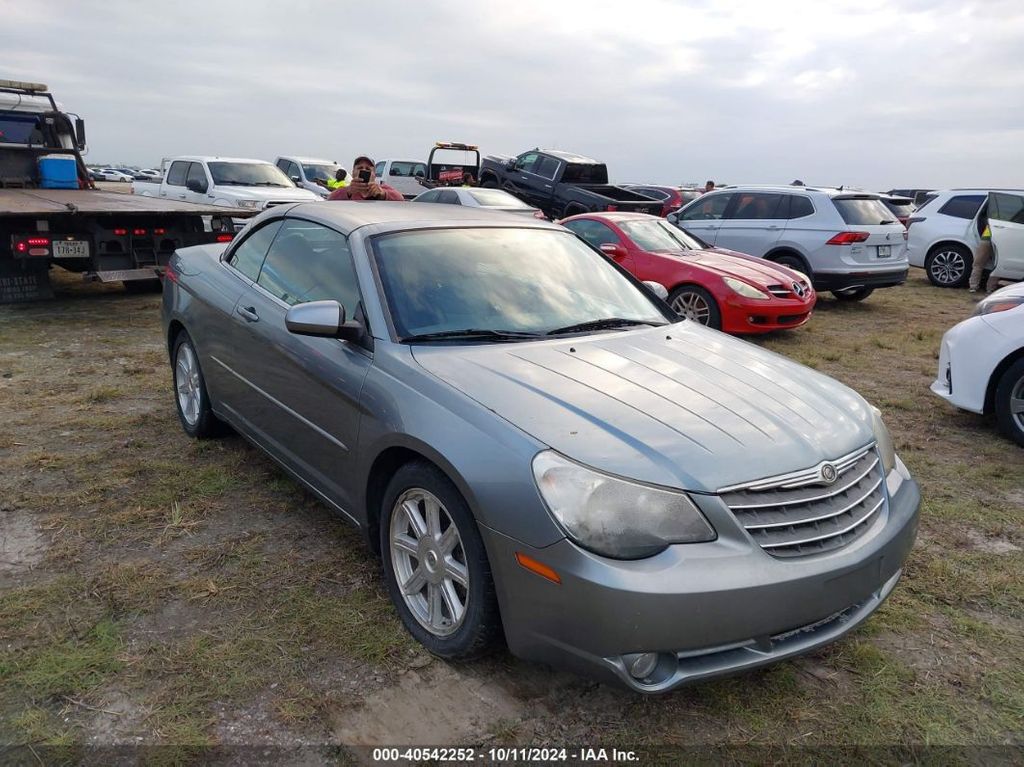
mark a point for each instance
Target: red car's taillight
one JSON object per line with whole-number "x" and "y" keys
{"x": 848, "y": 238}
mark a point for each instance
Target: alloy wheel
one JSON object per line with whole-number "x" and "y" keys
{"x": 693, "y": 307}
{"x": 188, "y": 384}
{"x": 429, "y": 561}
{"x": 948, "y": 267}
{"x": 1017, "y": 403}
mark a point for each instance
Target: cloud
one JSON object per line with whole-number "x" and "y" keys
{"x": 879, "y": 93}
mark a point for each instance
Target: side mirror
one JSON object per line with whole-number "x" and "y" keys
{"x": 322, "y": 318}
{"x": 195, "y": 185}
{"x": 296, "y": 179}
{"x": 80, "y": 132}
{"x": 510, "y": 165}
{"x": 614, "y": 250}
{"x": 657, "y": 289}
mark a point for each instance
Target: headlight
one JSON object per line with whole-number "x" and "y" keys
{"x": 745, "y": 290}
{"x": 884, "y": 440}
{"x": 993, "y": 305}
{"x": 249, "y": 203}
{"x": 614, "y": 517}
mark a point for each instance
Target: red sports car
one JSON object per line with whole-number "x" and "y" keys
{"x": 719, "y": 288}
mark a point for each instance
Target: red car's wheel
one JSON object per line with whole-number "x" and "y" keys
{"x": 695, "y": 303}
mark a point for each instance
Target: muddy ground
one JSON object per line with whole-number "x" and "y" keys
{"x": 158, "y": 590}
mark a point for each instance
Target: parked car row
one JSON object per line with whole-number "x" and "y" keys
{"x": 536, "y": 444}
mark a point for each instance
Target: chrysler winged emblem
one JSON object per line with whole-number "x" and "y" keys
{"x": 828, "y": 473}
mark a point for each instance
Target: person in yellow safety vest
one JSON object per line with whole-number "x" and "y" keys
{"x": 339, "y": 181}
{"x": 983, "y": 257}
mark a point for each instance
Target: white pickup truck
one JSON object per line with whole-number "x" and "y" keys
{"x": 228, "y": 181}
{"x": 306, "y": 172}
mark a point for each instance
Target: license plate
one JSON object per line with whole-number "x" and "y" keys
{"x": 70, "y": 249}
{"x": 884, "y": 251}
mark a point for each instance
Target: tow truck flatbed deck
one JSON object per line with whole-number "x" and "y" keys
{"x": 28, "y": 202}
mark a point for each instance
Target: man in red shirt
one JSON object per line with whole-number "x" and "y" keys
{"x": 368, "y": 189}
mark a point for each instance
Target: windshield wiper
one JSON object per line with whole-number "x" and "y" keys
{"x": 602, "y": 324}
{"x": 472, "y": 334}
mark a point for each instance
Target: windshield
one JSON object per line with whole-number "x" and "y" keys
{"x": 655, "y": 234}
{"x": 496, "y": 198}
{"x": 319, "y": 172}
{"x": 248, "y": 174}
{"x": 863, "y": 211}
{"x": 899, "y": 207}
{"x": 512, "y": 280}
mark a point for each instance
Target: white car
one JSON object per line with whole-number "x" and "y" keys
{"x": 846, "y": 241}
{"x": 944, "y": 234}
{"x": 476, "y": 197}
{"x": 981, "y": 361}
{"x": 109, "y": 174}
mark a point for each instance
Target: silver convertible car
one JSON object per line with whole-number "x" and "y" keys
{"x": 537, "y": 446}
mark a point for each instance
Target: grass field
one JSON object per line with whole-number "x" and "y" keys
{"x": 154, "y": 589}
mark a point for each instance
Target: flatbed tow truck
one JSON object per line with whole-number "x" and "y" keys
{"x": 51, "y": 213}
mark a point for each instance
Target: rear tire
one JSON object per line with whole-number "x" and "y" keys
{"x": 856, "y": 294}
{"x": 695, "y": 303}
{"x": 794, "y": 262}
{"x": 435, "y": 565}
{"x": 949, "y": 266}
{"x": 1009, "y": 402}
{"x": 190, "y": 396}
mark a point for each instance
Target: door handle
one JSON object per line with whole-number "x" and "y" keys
{"x": 181, "y": 197}
{"x": 997, "y": 226}
{"x": 249, "y": 312}
{"x": 770, "y": 228}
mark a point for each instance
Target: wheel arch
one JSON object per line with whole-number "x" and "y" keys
{"x": 387, "y": 461}
{"x": 993, "y": 381}
{"x": 174, "y": 329}
{"x": 784, "y": 250}
{"x": 945, "y": 243}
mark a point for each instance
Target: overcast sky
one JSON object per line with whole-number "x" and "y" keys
{"x": 913, "y": 93}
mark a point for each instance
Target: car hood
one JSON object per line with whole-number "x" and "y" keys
{"x": 680, "y": 406}
{"x": 267, "y": 193}
{"x": 756, "y": 271}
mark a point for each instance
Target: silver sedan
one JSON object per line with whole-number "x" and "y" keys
{"x": 479, "y": 197}
{"x": 540, "y": 450}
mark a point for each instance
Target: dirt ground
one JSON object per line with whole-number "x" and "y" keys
{"x": 158, "y": 590}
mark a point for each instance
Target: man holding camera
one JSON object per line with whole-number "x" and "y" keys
{"x": 364, "y": 185}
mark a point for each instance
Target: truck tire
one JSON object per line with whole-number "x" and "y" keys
{"x": 135, "y": 287}
{"x": 489, "y": 183}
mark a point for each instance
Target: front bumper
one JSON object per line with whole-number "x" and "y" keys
{"x": 708, "y": 610}
{"x": 749, "y": 315}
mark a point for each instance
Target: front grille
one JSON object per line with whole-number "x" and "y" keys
{"x": 802, "y": 513}
{"x": 781, "y": 291}
{"x": 789, "y": 319}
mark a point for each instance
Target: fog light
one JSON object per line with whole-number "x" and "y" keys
{"x": 642, "y": 665}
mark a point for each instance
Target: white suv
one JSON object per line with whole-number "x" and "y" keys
{"x": 846, "y": 241}
{"x": 944, "y": 234}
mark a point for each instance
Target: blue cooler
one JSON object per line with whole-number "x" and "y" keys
{"x": 58, "y": 171}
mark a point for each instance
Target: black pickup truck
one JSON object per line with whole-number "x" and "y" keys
{"x": 561, "y": 184}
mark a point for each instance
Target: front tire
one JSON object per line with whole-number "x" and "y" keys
{"x": 435, "y": 566}
{"x": 949, "y": 266}
{"x": 190, "y": 396}
{"x": 695, "y": 303}
{"x": 855, "y": 294}
{"x": 1009, "y": 402}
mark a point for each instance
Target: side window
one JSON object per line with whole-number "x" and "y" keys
{"x": 1006, "y": 207}
{"x": 248, "y": 256}
{"x": 378, "y": 169}
{"x": 527, "y": 161}
{"x": 800, "y": 207}
{"x": 430, "y": 196}
{"x": 283, "y": 165}
{"x": 710, "y": 206}
{"x": 176, "y": 174}
{"x": 448, "y": 197}
{"x": 291, "y": 170}
{"x": 546, "y": 166}
{"x": 197, "y": 174}
{"x": 309, "y": 262}
{"x": 963, "y": 205}
{"x": 594, "y": 232}
{"x": 419, "y": 170}
{"x": 756, "y": 205}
